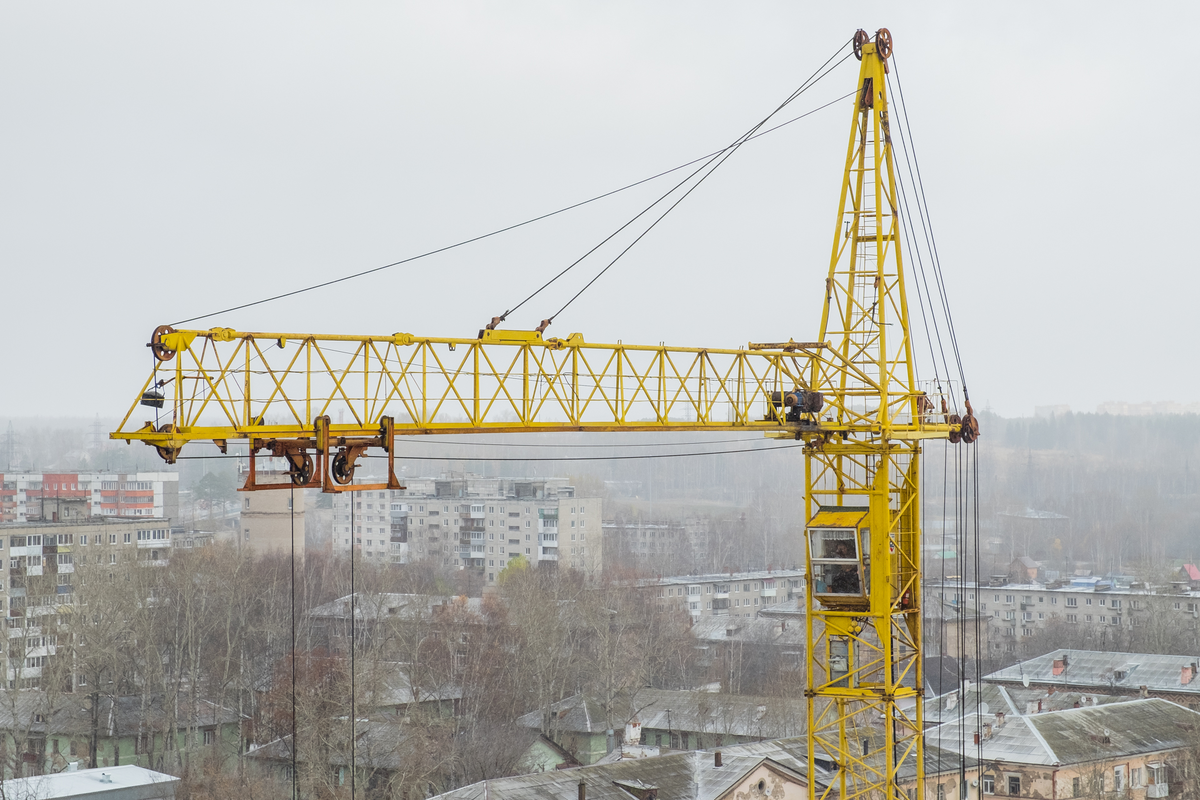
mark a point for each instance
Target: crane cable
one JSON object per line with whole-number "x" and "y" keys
{"x": 506, "y": 228}
{"x": 295, "y": 744}
{"x": 931, "y": 240}
{"x": 710, "y": 164}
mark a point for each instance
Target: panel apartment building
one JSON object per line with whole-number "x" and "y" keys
{"x": 729, "y": 594}
{"x": 1017, "y": 610}
{"x": 41, "y": 592}
{"x": 53, "y": 496}
{"x": 471, "y": 522}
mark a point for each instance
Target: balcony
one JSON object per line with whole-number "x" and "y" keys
{"x": 548, "y": 539}
{"x": 1157, "y": 790}
{"x": 768, "y": 592}
{"x": 548, "y": 554}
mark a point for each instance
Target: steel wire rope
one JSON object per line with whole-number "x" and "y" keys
{"x": 978, "y": 656}
{"x": 961, "y": 557}
{"x": 914, "y": 248}
{"x": 923, "y": 202}
{"x": 295, "y": 743}
{"x": 909, "y": 241}
{"x": 711, "y": 162}
{"x": 507, "y": 228}
{"x": 353, "y": 648}
{"x": 941, "y": 609}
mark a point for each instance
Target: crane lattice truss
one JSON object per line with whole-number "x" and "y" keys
{"x": 851, "y": 396}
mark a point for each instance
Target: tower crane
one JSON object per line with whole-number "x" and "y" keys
{"x": 850, "y": 395}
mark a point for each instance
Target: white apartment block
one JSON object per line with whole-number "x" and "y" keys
{"x": 729, "y": 594}
{"x": 65, "y": 496}
{"x": 472, "y": 522}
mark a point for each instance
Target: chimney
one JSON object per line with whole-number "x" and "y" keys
{"x": 1144, "y": 690}
{"x": 1060, "y": 665}
{"x": 999, "y": 719}
{"x": 987, "y": 731}
{"x": 976, "y": 737}
{"x": 582, "y": 790}
{"x": 610, "y": 741}
{"x": 717, "y": 759}
{"x": 1186, "y": 674}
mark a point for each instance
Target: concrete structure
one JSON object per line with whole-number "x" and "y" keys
{"x": 736, "y": 594}
{"x": 43, "y": 561}
{"x": 54, "y": 496}
{"x": 267, "y": 522}
{"x": 470, "y": 522}
{"x": 107, "y": 783}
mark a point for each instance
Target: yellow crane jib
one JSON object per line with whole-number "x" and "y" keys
{"x": 298, "y": 394}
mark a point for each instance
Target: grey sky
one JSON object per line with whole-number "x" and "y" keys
{"x": 162, "y": 160}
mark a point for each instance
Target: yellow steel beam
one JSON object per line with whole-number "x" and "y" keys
{"x": 230, "y": 385}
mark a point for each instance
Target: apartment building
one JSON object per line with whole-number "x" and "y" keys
{"x": 53, "y": 496}
{"x": 729, "y": 594}
{"x": 471, "y": 522}
{"x": 268, "y": 522}
{"x": 1015, "y": 611}
{"x": 44, "y": 559}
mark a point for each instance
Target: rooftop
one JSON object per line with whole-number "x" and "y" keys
{"x": 1075, "y": 735}
{"x": 667, "y": 709}
{"x": 719, "y": 577}
{"x": 1102, "y": 671}
{"x": 126, "y": 782}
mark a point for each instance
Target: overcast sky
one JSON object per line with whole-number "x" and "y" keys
{"x": 163, "y": 160}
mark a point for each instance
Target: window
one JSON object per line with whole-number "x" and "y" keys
{"x": 210, "y": 736}
{"x": 1072, "y": 602}
{"x": 1087, "y": 601}
{"x": 941, "y": 792}
{"x": 1014, "y": 785}
{"x": 989, "y": 784}
{"x": 1076, "y": 787}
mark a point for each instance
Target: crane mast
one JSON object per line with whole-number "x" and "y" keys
{"x": 851, "y": 396}
{"x": 862, "y": 492}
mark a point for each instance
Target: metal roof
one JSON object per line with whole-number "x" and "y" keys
{"x": 1104, "y": 671}
{"x": 1075, "y": 735}
{"x": 666, "y": 709}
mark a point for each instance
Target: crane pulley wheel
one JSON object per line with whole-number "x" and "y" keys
{"x": 342, "y": 469}
{"x": 883, "y": 43}
{"x": 861, "y": 37}
{"x": 302, "y": 468}
{"x": 161, "y": 351}
{"x": 167, "y": 454}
